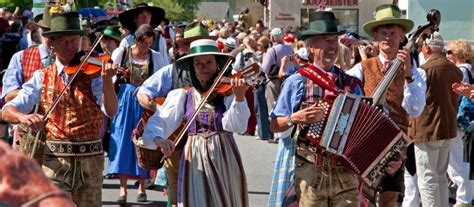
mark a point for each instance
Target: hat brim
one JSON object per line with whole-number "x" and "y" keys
{"x": 62, "y": 33}
{"x": 406, "y": 24}
{"x": 185, "y": 63}
{"x": 41, "y": 24}
{"x": 311, "y": 33}
{"x": 126, "y": 18}
{"x": 113, "y": 37}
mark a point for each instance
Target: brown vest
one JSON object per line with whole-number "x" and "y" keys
{"x": 372, "y": 71}
{"x": 77, "y": 117}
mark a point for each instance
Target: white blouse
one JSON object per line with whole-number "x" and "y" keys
{"x": 170, "y": 115}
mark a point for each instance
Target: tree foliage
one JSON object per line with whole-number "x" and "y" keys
{"x": 175, "y": 9}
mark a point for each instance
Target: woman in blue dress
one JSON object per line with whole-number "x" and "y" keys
{"x": 139, "y": 62}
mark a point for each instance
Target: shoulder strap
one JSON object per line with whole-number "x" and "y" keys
{"x": 319, "y": 78}
{"x": 242, "y": 59}
{"x": 150, "y": 64}
{"x": 125, "y": 60}
{"x": 469, "y": 75}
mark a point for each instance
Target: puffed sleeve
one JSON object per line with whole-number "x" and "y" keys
{"x": 166, "y": 119}
{"x": 237, "y": 115}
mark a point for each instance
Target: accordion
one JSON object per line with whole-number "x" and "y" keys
{"x": 363, "y": 137}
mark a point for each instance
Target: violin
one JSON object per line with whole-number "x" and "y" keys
{"x": 91, "y": 66}
{"x": 250, "y": 74}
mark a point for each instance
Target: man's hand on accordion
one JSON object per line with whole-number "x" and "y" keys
{"x": 308, "y": 115}
{"x": 394, "y": 165}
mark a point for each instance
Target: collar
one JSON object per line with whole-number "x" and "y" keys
{"x": 321, "y": 68}
{"x": 44, "y": 52}
{"x": 383, "y": 59}
{"x": 59, "y": 67}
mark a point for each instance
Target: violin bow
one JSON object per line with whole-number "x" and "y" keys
{"x": 61, "y": 94}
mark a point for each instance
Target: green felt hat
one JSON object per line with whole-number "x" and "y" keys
{"x": 196, "y": 31}
{"x": 113, "y": 32}
{"x": 321, "y": 23}
{"x": 388, "y": 14}
{"x": 67, "y": 23}
{"x": 199, "y": 48}
{"x": 44, "y": 21}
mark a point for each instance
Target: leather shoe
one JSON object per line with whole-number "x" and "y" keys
{"x": 122, "y": 199}
{"x": 141, "y": 197}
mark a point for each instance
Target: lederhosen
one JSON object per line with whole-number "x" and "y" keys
{"x": 315, "y": 167}
{"x": 372, "y": 71}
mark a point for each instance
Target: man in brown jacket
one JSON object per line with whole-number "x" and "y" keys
{"x": 433, "y": 129}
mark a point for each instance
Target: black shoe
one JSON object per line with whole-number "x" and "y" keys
{"x": 122, "y": 199}
{"x": 273, "y": 141}
{"x": 149, "y": 184}
{"x": 141, "y": 197}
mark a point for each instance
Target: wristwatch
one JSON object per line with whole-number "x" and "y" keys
{"x": 289, "y": 122}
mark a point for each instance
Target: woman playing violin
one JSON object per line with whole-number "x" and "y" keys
{"x": 138, "y": 62}
{"x": 211, "y": 170}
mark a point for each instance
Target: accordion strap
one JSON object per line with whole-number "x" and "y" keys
{"x": 319, "y": 77}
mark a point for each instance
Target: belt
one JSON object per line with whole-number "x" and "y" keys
{"x": 73, "y": 149}
{"x": 315, "y": 156}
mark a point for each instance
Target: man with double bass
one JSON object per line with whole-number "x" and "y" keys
{"x": 73, "y": 156}
{"x": 406, "y": 94}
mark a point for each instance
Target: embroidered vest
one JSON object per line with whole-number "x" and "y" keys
{"x": 30, "y": 62}
{"x": 372, "y": 71}
{"x": 77, "y": 116}
{"x": 209, "y": 119}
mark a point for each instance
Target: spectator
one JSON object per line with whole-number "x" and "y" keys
{"x": 459, "y": 52}
{"x": 246, "y": 18}
{"x": 292, "y": 63}
{"x": 271, "y": 65}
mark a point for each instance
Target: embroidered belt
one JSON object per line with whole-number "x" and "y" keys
{"x": 73, "y": 149}
{"x": 313, "y": 155}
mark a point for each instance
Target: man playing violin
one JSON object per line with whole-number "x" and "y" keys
{"x": 406, "y": 94}
{"x": 73, "y": 155}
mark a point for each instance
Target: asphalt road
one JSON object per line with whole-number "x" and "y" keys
{"x": 258, "y": 158}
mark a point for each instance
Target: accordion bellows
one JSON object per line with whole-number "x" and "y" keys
{"x": 363, "y": 136}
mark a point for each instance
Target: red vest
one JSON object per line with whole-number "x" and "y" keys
{"x": 77, "y": 117}
{"x": 30, "y": 62}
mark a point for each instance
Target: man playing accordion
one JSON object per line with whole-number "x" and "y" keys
{"x": 319, "y": 179}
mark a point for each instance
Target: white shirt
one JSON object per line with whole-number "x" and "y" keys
{"x": 170, "y": 115}
{"x": 414, "y": 93}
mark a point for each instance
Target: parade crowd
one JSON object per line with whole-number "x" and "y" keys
{"x": 78, "y": 90}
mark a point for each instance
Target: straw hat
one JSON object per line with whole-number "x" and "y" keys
{"x": 388, "y": 14}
